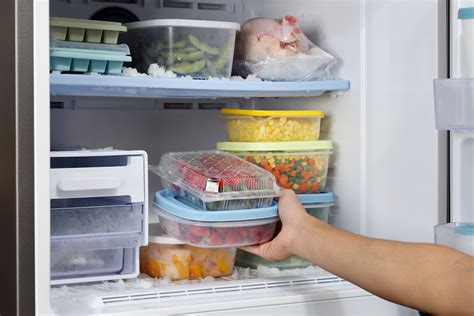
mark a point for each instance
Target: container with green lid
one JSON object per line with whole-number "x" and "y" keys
{"x": 91, "y": 31}
{"x": 300, "y": 166}
{"x": 272, "y": 126}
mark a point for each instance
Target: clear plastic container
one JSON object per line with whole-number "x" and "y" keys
{"x": 214, "y": 229}
{"x": 459, "y": 236}
{"x": 454, "y": 99}
{"x": 87, "y": 57}
{"x": 318, "y": 205}
{"x": 168, "y": 257}
{"x": 300, "y": 166}
{"x": 272, "y": 126}
{"x": 95, "y": 239}
{"x": 214, "y": 180}
{"x": 200, "y": 49}
{"x": 77, "y": 30}
{"x": 466, "y": 15}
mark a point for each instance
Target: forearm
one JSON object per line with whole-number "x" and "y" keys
{"x": 423, "y": 276}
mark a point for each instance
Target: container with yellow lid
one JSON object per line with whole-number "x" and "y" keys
{"x": 272, "y": 126}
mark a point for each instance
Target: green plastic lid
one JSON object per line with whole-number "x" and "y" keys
{"x": 466, "y": 13}
{"x": 275, "y": 146}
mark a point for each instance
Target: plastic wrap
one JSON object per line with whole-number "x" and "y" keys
{"x": 278, "y": 50}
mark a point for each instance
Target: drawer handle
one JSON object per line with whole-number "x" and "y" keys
{"x": 87, "y": 184}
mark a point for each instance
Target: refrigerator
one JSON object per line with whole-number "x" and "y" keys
{"x": 391, "y": 172}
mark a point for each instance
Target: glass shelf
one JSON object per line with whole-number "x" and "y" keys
{"x": 146, "y": 87}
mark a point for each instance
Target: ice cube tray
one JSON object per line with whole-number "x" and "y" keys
{"x": 99, "y": 58}
{"x": 77, "y": 30}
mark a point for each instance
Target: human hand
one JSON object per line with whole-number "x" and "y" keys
{"x": 292, "y": 216}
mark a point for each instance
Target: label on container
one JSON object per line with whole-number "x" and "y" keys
{"x": 212, "y": 186}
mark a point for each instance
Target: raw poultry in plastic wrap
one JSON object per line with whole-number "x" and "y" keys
{"x": 278, "y": 50}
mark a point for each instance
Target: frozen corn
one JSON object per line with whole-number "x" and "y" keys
{"x": 272, "y": 126}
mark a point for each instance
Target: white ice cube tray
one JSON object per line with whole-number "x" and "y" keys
{"x": 99, "y": 215}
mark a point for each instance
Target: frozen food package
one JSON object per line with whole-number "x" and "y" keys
{"x": 278, "y": 50}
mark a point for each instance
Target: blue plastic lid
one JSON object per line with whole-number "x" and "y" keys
{"x": 165, "y": 199}
{"x": 325, "y": 197}
{"x": 465, "y": 229}
{"x": 466, "y": 13}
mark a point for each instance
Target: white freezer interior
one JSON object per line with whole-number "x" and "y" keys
{"x": 387, "y": 151}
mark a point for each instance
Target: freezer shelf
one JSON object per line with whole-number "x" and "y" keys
{"x": 164, "y": 297}
{"x": 143, "y": 87}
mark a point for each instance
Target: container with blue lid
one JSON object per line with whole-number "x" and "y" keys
{"x": 318, "y": 205}
{"x": 214, "y": 229}
{"x": 459, "y": 236}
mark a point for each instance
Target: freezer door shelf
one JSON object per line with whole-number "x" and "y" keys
{"x": 120, "y": 86}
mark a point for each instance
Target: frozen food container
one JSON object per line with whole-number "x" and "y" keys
{"x": 168, "y": 257}
{"x": 87, "y": 57}
{"x": 459, "y": 236}
{"x": 76, "y": 30}
{"x": 214, "y": 180}
{"x": 200, "y": 49}
{"x": 466, "y": 15}
{"x": 214, "y": 229}
{"x": 300, "y": 166}
{"x": 318, "y": 205}
{"x": 454, "y": 100}
{"x": 272, "y": 126}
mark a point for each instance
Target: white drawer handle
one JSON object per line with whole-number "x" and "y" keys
{"x": 87, "y": 184}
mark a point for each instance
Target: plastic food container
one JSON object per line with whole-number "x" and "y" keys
{"x": 459, "y": 236}
{"x": 318, "y": 205}
{"x": 300, "y": 166}
{"x": 214, "y": 229}
{"x": 76, "y": 30}
{"x": 272, "y": 126}
{"x": 168, "y": 257}
{"x": 466, "y": 15}
{"x": 214, "y": 180}
{"x": 200, "y": 49}
{"x": 86, "y": 57}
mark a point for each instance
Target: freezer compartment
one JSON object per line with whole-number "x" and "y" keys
{"x": 69, "y": 266}
{"x": 272, "y": 126}
{"x": 92, "y": 31}
{"x": 196, "y": 48}
{"x": 168, "y": 257}
{"x": 217, "y": 181}
{"x": 459, "y": 236}
{"x": 102, "y": 218}
{"x": 453, "y": 104}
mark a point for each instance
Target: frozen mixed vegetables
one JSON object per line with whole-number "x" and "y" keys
{"x": 303, "y": 173}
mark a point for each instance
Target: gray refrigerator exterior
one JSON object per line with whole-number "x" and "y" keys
{"x": 16, "y": 160}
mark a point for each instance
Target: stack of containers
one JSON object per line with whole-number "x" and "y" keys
{"x": 285, "y": 143}
{"x": 87, "y": 46}
{"x": 212, "y": 200}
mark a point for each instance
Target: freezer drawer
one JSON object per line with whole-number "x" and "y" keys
{"x": 69, "y": 266}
